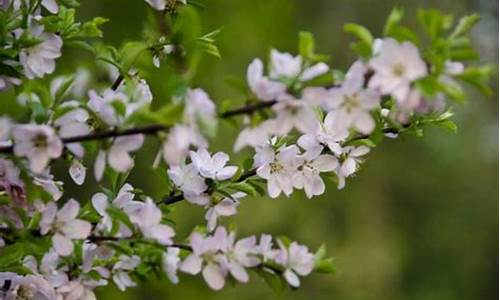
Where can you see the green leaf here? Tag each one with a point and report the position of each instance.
(285, 240)
(396, 31)
(364, 46)
(91, 28)
(448, 125)
(465, 24)
(479, 77)
(428, 86)
(119, 215)
(359, 31)
(306, 45)
(207, 43)
(211, 36)
(243, 187)
(276, 282)
(34, 221)
(12, 254)
(393, 20)
(167, 115)
(325, 266)
(454, 91)
(210, 49)
(363, 142)
(238, 84)
(434, 22)
(130, 52)
(402, 33)
(320, 254)
(63, 89)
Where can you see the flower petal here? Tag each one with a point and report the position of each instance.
(62, 244)
(214, 276)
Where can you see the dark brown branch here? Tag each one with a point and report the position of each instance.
(97, 239)
(384, 131)
(248, 109)
(117, 82)
(163, 27)
(171, 199)
(150, 129)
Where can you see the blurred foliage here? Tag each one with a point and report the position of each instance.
(418, 222)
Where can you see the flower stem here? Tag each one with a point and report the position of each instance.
(171, 199)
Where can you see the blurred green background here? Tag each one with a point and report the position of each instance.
(420, 219)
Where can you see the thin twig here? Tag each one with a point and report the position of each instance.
(248, 109)
(117, 82)
(171, 199)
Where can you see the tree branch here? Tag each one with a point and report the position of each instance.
(248, 109)
(171, 199)
(117, 82)
(100, 135)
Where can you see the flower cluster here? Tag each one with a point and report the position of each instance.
(335, 123)
(33, 43)
(199, 113)
(314, 123)
(218, 255)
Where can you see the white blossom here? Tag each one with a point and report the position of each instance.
(77, 171)
(105, 106)
(171, 262)
(11, 183)
(165, 50)
(73, 123)
(293, 113)
(265, 248)
(9, 173)
(51, 6)
(7, 81)
(284, 65)
(148, 218)
(205, 258)
(212, 167)
(277, 168)
(189, 181)
(5, 129)
(28, 287)
(118, 155)
(396, 66)
(162, 4)
(38, 143)
(308, 177)
(124, 200)
(255, 136)
(331, 133)
(39, 59)
(138, 94)
(46, 181)
(65, 225)
(50, 268)
(297, 260)
(176, 147)
(352, 103)
(198, 105)
(225, 207)
(350, 160)
(121, 271)
(76, 290)
(240, 255)
(264, 88)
